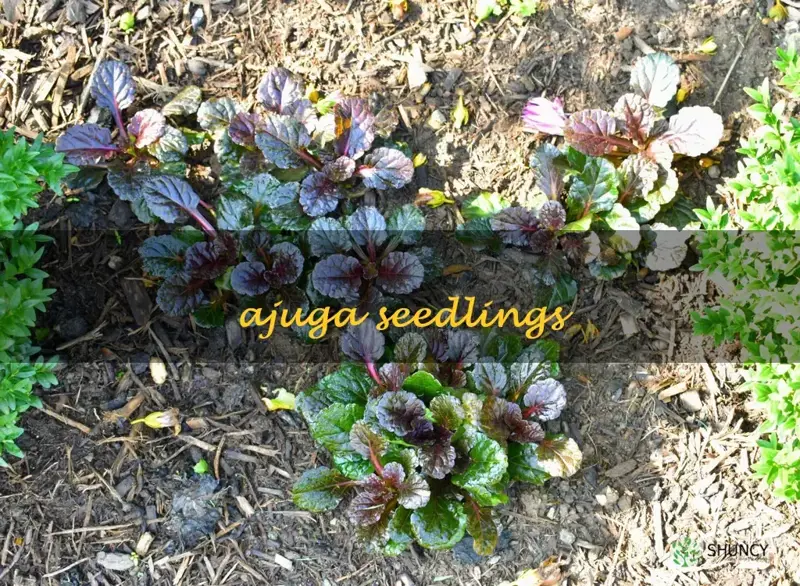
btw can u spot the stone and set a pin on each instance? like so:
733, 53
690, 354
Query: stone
690, 400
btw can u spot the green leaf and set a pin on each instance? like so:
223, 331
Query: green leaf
440, 524
320, 489
201, 467
481, 526
523, 464
332, 426
488, 461
581, 225
484, 205
594, 190
350, 384
400, 532
352, 465
626, 237
423, 383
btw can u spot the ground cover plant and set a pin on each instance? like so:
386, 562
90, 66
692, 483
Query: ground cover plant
751, 251
609, 191
23, 168
429, 433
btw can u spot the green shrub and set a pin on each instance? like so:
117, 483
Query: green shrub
751, 251
22, 293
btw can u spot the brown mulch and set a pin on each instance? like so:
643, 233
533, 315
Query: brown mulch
653, 469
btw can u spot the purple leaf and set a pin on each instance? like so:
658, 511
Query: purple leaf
366, 441
370, 504
340, 169
255, 244
637, 115
545, 399
502, 421
86, 144
167, 196
328, 236
592, 132
208, 260
147, 126
393, 375
400, 273
437, 455
180, 294
337, 276
113, 89
398, 410
462, 347
282, 93
693, 131
655, 77
411, 348
319, 195
363, 342
248, 279
244, 127
490, 378
283, 141
552, 216
542, 115
384, 168
515, 225
637, 176
287, 263
549, 177
367, 227
354, 127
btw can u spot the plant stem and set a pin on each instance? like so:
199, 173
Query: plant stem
373, 372
204, 224
376, 463
309, 158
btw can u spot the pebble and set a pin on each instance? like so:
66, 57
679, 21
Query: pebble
437, 120
714, 172
120, 213
624, 503
608, 497
143, 14
690, 400
567, 537
73, 327
115, 262
196, 67
117, 562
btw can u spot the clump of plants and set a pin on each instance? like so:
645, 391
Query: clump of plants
427, 434
485, 9
751, 252
23, 168
146, 145
609, 191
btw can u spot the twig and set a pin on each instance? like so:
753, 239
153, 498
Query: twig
610, 577
64, 419
88, 336
735, 61
66, 568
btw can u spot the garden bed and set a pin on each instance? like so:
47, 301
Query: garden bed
655, 467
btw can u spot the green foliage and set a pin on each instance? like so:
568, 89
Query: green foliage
23, 166
752, 253
430, 442
787, 63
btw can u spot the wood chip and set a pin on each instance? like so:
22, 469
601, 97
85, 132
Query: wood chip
283, 562
622, 469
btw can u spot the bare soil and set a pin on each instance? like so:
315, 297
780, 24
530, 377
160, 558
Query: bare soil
655, 468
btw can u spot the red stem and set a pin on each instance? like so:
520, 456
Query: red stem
373, 372
204, 224
309, 158
375, 462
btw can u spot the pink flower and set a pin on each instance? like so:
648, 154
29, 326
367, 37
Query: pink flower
542, 115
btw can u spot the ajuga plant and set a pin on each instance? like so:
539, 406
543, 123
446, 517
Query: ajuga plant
750, 249
613, 174
367, 257
427, 435
23, 167
335, 148
145, 145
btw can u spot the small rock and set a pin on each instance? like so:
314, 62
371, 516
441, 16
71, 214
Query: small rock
464, 35
608, 497
437, 120
116, 562
566, 537
714, 172
143, 14
143, 545
690, 400
120, 213
115, 262
139, 362
196, 66
624, 503
158, 370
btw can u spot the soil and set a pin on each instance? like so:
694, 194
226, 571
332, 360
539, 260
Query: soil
655, 469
